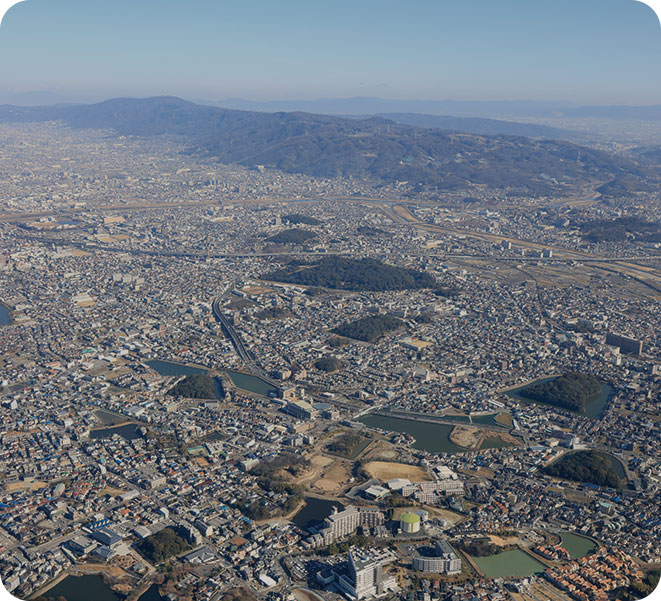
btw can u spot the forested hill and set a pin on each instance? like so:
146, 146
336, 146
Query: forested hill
481, 126
327, 146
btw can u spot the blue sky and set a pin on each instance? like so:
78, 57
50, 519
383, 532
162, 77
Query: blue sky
582, 51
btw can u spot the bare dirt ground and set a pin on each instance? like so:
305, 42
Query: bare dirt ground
112, 491
450, 516
502, 542
256, 290
334, 478
469, 438
381, 449
305, 595
321, 461
504, 418
386, 470
27, 486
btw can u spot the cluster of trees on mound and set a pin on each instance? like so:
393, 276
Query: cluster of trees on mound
589, 467
269, 479
329, 364
274, 313
369, 328
366, 230
198, 386
359, 540
638, 589
581, 327
346, 444
482, 547
162, 545
293, 236
258, 510
569, 391
297, 218
618, 230
269, 468
425, 317
352, 274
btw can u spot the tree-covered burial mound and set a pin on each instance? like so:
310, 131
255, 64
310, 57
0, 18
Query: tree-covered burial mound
198, 386
589, 467
570, 391
352, 274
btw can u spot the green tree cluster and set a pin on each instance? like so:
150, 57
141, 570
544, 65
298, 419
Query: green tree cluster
570, 391
353, 274
297, 218
329, 364
591, 467
346, 444
369, 328
293, 236
198, 386
162, 545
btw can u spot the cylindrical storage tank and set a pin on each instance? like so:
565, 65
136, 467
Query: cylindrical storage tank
409, 522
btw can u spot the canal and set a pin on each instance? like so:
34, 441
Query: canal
594, 407
83, 588
509, 564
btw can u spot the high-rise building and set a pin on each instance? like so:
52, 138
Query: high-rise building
365, 576
625, 344
347, 521
440, 559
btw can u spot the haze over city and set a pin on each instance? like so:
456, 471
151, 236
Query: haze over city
588, 52
330, 301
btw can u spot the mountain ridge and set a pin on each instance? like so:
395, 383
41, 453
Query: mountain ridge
331, 146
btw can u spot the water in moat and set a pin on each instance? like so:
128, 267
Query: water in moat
83, 588
152, 594
430, 437
5, 315
110, 418
509, 564
315, 511
169, 368
577, 546
127, 432
250, 383
594, 408
239, 379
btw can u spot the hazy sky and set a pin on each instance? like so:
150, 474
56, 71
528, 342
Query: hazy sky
584, 51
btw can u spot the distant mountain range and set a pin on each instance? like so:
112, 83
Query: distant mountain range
366, 105
479, 125
494, 109
329, 146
